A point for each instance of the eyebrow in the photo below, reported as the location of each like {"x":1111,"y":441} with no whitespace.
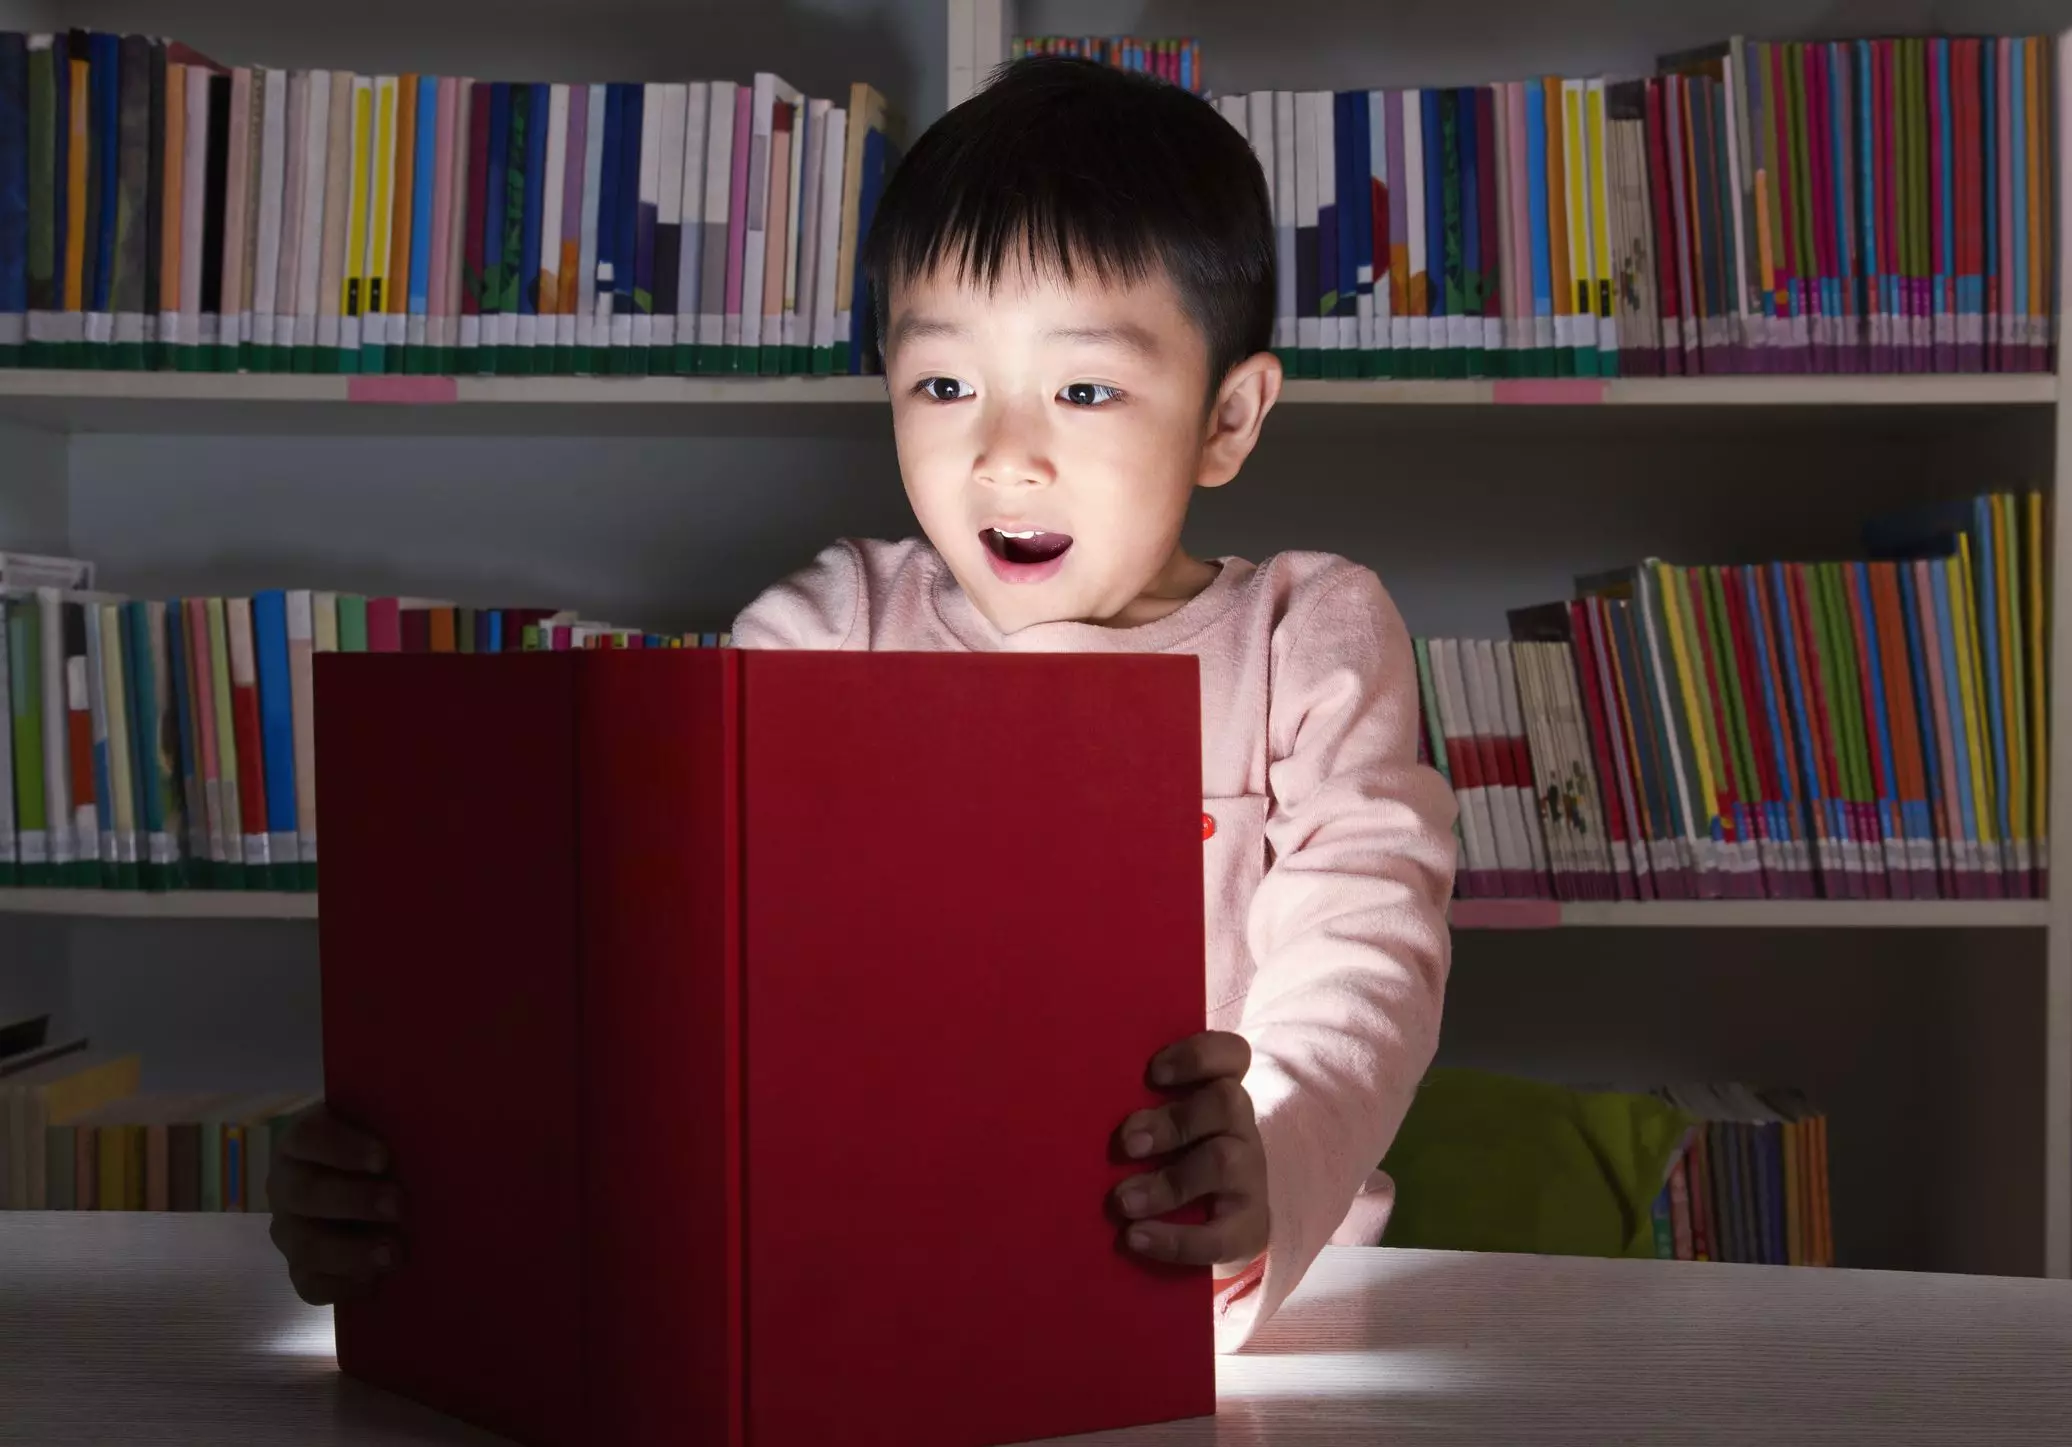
{"x":1124,"y":334}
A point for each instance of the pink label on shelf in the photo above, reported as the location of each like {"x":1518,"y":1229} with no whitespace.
{"x":1551,"y":392}
{"x":402,"y":389}
{"x":1506,"y":914}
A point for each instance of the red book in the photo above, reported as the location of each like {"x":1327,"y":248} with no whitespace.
{"x":773,"y":1104}
{"x":384,"y":625}
{"x":244,"y":721}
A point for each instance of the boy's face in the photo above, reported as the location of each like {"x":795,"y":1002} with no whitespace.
{"x":1051,"y":434}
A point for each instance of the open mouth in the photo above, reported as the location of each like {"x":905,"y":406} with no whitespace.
{"x":1025,"y":548}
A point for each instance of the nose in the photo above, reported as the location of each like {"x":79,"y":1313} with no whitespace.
{"x":1014,"y":450}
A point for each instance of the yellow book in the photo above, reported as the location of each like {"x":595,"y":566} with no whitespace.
{"x":353,"y":302}
{"x":112,"y":1168}
{"x":2038,"y":629}
{"x":2007,"y":619}
{"x":1600,"y":232}
{"x":381,"y":215}
{"x":75,"y":203}
{"x":57,"y":1092}
{"x":1970,"y":694}
{"x":1694,"y":710}
{"x":1576,"y":177}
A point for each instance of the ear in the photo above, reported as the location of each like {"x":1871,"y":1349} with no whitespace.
{"x":1248,"y":393}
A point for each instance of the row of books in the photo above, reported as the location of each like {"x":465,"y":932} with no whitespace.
{"x":76,"y":1134}
{"x":1865,"y":729}
{"x":1177,"y":61}
{"x":170,"y":744}
{"x":159,"y":210}
{"x":1838,"y":206}
{"x":1750,"y":1183}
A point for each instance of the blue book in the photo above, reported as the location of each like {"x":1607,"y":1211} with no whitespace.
{"x":1472,"y":280}
{"x":1944,"y":219}
{"x":626,"y":234}
{"x":486,"y":355}
{"x":193,"y":849}
{"x":1935,"y":809}
{"x":1856,"y":577}
{"x":1367,"y":264}
{"x":1985,"y":607}
{"x":1990,"y":204}
{"x":496,"y":631}
{"x":530,"y":355}
{"x":14,"y":197}
{"x":608,"y":225}
{"x":1786,"y":823}
{"x":154,"y":846}
{"x":1541,"y":360}
{"x":277,"y":734}
{"x":1437,"y":356}
{"x":1974,"y":865}
{"x":1825,"y":811}
{"x":878,"y":154}
{"x":424,"y":170}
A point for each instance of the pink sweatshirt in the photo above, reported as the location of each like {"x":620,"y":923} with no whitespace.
{"x":1326,"y":876}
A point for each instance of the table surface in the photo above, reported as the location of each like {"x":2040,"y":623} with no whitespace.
{"x":151,"y":1329}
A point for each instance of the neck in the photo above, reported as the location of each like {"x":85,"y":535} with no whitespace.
{"x":1181,"y":579}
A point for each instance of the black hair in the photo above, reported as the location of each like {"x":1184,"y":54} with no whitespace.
{"x":1069,"y":164}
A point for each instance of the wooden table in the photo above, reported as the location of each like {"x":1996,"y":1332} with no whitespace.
{"x":150,"y":1330}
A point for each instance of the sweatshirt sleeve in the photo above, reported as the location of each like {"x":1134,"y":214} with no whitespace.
{"x":1348,"y":928}
{"x":818,"y":607}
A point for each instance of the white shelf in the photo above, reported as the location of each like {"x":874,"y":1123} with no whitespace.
{"x":175,"y":904}
{"x":1472,"y":915}
{"x":1532,"y":914}
{"x":70,"y":403}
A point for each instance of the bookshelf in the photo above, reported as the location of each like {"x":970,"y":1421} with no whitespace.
{"x":671,"y":501}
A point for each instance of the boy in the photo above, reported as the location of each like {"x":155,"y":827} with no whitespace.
{"x":1073,"y":284}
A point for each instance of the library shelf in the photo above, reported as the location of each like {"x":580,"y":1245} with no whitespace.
{"x":1535,"y":914}
{"x":69,"y":402}
{"x":1477,"y":915}
{"x":172,"y":904}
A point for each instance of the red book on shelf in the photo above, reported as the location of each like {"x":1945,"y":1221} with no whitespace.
{"x":750,"y":1030}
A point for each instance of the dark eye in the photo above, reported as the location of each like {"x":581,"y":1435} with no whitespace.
{"x":1088,"y":394}
{"x":943,"y":389}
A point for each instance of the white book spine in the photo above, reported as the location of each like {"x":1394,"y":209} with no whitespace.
{"x":714,"y":326}
{"x":827,"y":251}
{"x":697,"y":108}
{"x":1285,"y":213}
{"x":93,"y":830}
{"x":769,"y":90}
{"x":273,"y":157}
{"x":1309,"y":332}
{"x":294,"y":211}
{"x":642,"y":332}
{"x":57,"y":789}
{"x":796,"y":237}
{"x":589,"y":300}
{"x":669,"y":214}
{"x":551,"y":193}
{"x":801,"y":312}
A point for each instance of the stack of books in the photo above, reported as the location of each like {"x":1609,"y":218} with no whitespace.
{"x":166,"y":1152}
{"x":1868,"y":729}
{"x":169,"y":744}
{"x":1872,"y":205}
{"x":159,"y":210}
{"x":1177,"y":61}
{"x":1750,"y":1182}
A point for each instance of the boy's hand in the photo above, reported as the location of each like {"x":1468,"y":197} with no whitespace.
{"x":1216,"y":1154}
{"x":334,"y":1211}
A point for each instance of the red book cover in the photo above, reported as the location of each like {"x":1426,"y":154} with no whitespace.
{"x":777,"y":1106}
{"x":384,"y":625}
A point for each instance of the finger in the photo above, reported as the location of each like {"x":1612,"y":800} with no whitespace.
{"x":1220,"y":1166}
{"x":1221,"y":1107}
{"x":322,"y":1139}
{"x":1238,"y":1238}
{"x":328,"y":1290}
{"x":318,"y":1250}
{"x":1201,"y":1057}
{"x":299,"y":1189}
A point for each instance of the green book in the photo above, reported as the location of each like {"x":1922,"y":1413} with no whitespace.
{"x":25,"y":695}
{"x":43,"y":262}
{"x":352,"y":623}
